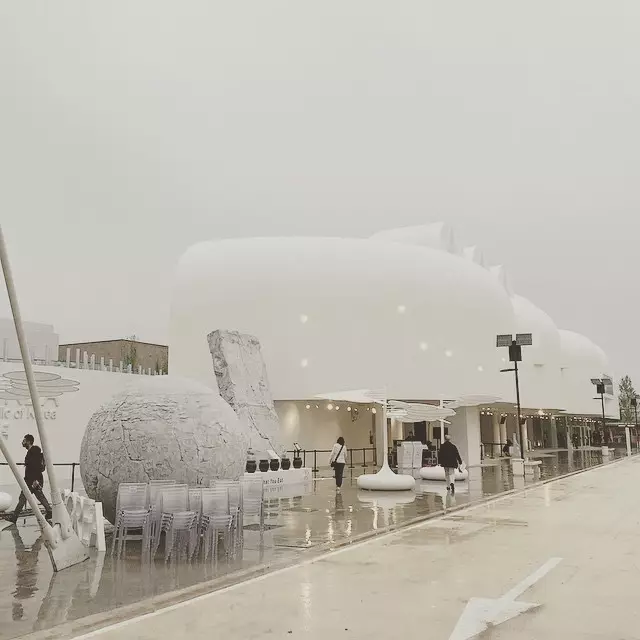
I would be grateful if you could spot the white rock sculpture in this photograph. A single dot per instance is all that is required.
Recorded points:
(242, 380)
(161, 428)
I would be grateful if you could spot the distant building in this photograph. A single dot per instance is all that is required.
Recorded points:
(130, 352)
(41, 338)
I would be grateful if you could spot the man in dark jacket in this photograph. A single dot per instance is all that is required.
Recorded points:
(33, 468)
(449, 458)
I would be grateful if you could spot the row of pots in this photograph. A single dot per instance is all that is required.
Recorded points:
(274, 465)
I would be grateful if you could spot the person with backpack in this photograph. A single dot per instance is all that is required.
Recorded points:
(34, 467)
(338, 460)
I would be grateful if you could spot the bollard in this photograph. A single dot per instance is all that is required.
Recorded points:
(351, 458)
(364, 458)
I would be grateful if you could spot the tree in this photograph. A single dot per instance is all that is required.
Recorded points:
(626, 393)
(130, 352)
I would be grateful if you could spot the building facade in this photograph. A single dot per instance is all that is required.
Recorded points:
(129, 352)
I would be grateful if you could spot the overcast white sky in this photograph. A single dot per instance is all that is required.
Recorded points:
(129, 130)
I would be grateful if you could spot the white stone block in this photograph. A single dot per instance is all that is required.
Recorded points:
(243, 382)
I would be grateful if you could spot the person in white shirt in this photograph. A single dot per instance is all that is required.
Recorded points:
(338, 460)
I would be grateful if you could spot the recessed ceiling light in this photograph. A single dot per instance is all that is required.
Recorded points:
(401, 308)
(374, 410)
(304, 318)
(424, 346)
(304, 363)
(480, 367)
(330, 407)
(308, 406)
(448, 353)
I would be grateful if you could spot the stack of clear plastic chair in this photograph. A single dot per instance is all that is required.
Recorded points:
(235, 502)
(178, 522)
(216, 521)
(155, 494)
(252, 505)
(132, 513)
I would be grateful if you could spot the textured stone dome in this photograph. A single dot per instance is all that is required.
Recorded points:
(161, 428)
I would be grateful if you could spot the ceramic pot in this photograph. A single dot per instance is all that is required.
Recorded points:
(274, 464)
(285, 464)
(264, 465)
(251, 466)
(297, 463)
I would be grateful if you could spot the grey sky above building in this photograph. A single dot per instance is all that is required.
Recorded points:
(129, 131)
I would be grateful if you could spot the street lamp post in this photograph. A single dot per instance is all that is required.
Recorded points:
(634, 404)
(601, 388)
(515, 356)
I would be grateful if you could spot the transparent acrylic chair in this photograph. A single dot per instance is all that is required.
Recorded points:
(132, 514)
(235, 500)
(177, 521)
(251, 505)
(216, 521)
(155, 494)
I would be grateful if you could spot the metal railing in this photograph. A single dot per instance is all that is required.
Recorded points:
(363, 457)
(73, 466)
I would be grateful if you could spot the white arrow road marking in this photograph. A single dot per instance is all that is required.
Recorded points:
(482, 613)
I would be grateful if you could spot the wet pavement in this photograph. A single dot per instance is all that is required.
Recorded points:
(33, 599)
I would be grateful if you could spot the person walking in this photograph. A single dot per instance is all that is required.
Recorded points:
(338, 460)
(33, 469)
(449, 458)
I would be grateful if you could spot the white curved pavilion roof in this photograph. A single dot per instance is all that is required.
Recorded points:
(401, 310)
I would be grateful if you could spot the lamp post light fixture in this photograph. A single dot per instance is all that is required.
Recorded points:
(515, 356)
(601, 385)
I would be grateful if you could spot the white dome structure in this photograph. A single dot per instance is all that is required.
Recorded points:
(582, 360)
(334, 313)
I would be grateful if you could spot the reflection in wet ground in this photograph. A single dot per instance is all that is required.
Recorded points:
(32, 598)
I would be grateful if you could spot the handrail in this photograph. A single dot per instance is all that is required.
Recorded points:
(303, 454)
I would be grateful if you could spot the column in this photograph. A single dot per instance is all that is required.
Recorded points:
(379, 439)
(495, 450)
(553, 431)
(503, 431)
(465, 434)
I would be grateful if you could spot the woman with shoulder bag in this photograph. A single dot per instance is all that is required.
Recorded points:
(338, 460)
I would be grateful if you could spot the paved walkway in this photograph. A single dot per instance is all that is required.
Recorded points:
(575, 539)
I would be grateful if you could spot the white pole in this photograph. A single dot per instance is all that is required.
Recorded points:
(93, 362)
(101, 363)
(627, 433)
(71, 554)
(85, 360)
(68, 357)
(111, 364)
(77, 358)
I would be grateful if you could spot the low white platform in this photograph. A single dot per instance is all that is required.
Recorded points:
(280, 477)
(437, 473)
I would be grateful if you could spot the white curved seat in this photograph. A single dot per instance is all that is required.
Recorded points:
(437, 473)
(386, 480)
